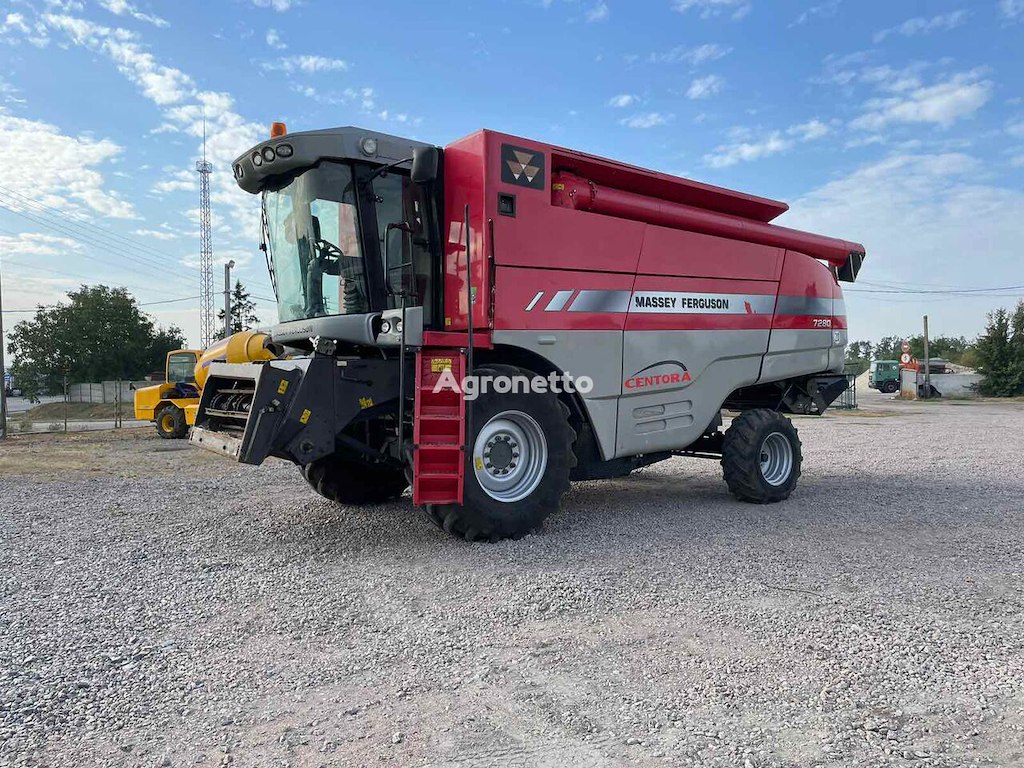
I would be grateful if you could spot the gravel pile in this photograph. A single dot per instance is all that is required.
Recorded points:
(161, 607)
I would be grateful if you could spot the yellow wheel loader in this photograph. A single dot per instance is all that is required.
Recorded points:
(172, 406)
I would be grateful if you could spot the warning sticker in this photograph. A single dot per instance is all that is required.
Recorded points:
(305, 416)
(478, 462)
(282, 387)
(440, 364)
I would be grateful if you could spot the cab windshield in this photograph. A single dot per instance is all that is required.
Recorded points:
(181, 367)
(313, 244)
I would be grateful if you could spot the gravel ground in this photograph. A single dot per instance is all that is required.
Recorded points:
(161, 607)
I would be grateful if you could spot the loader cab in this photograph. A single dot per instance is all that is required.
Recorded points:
(181, 366)
(348, 232)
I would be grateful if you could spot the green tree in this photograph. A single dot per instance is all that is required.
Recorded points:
(99, 334)
(243, 311)
(1000, 353)
(889, 348)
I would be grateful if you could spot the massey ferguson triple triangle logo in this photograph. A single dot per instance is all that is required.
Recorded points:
(522, 167)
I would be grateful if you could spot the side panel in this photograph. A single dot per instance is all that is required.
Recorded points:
(802, 332)
(575, 321)
(687, 344)
(148, 399)
(690, 254)
(597, 354)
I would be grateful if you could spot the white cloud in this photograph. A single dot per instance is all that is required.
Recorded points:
(15, 27)
(156, 234)
(692, 56)
(1011, 9)
(736, 9)
(622, 100)
(38, 244)
(941, 104)
(1016, 129)
(645, 120)
(746, 146)
(16, 21)
(274, 40)
(705, 87)
(809, 131)
(184, 107)
(163, 85)
(924, 26)
(728, 155)
(180, 181)
(825, 10)
(278, 5)
(124, 8)
(919, 214)
(598, 12)
(57, 170)
(308, 63)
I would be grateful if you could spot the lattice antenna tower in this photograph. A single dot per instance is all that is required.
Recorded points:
(206, 317)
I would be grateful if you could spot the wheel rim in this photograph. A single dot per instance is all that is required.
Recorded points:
(510, 456)
(776, 459)
(166, 422)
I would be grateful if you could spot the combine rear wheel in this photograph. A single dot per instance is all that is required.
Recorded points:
(519, 465)
(761, 456)
(354, 482)
(170, 422)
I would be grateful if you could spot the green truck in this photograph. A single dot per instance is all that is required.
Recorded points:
(884, 375)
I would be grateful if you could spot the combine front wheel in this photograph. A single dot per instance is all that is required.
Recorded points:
(761, 456)
(518, 467)
(354, 482)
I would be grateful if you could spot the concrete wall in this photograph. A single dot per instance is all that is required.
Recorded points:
(103, 392)
(947, 384)
(957, 384)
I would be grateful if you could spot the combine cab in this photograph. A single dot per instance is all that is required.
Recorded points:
(488, 321)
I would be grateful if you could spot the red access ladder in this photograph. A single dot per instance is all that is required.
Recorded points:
(439, 429)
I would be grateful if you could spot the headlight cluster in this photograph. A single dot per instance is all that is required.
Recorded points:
(270, 154)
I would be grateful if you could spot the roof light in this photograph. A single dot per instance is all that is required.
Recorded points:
(268, 154)
(368, 146)
(284, 150)
(277, 130)
(257, 159)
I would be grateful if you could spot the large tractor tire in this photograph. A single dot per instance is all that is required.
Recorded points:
(170, 423)
(353, 482)
(518, 467)
(761, 456)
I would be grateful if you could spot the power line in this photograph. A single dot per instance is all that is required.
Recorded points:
(138, 304)
(83, 222)
(90, 241)
(86, 238)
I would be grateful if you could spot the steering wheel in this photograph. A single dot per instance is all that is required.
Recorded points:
(327, 250)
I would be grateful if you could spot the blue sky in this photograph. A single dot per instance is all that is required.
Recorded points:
(900, 125)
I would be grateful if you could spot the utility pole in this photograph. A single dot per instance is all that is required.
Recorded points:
(927, 363)
(3, 369)
(206, 317)
(227, 297)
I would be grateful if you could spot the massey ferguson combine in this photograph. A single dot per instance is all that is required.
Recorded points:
(401, 268)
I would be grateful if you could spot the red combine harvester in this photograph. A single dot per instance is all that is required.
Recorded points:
(400, 268)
